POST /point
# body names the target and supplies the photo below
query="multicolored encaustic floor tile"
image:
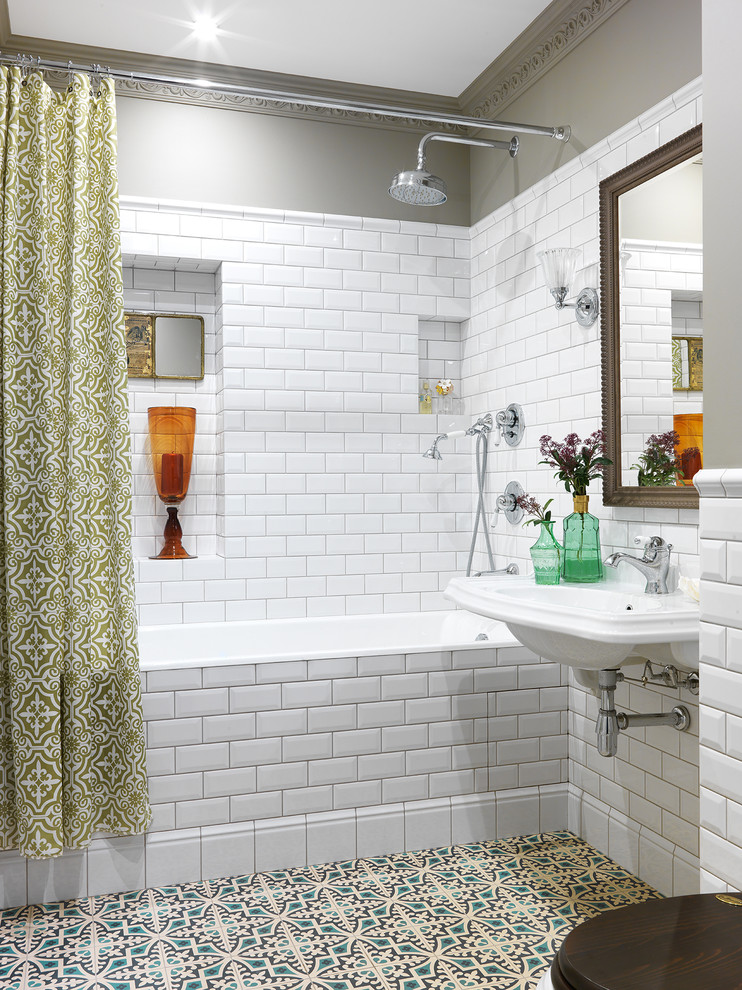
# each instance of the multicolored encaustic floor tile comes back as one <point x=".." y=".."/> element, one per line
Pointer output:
<point x="483" y="916"/>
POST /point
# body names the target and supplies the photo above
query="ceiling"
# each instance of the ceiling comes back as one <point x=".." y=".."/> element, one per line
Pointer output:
<point x="437" y="48"/>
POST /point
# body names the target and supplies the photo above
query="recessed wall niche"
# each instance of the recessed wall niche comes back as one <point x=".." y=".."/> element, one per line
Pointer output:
<point x="170" y="285"/>
<point x="439" y="353"/>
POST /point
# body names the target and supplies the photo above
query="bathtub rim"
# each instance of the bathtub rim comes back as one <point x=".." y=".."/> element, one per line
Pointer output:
<point x="497" y="631"/>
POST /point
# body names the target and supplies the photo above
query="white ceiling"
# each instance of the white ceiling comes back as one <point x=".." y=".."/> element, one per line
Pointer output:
<point x="439" y="46"/>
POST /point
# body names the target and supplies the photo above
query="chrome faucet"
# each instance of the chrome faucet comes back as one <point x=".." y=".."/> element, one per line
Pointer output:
<point x="510" y="569"/>
<point x="654" y="564"/>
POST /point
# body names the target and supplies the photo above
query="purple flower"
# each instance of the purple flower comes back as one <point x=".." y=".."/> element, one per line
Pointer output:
<point x="576" y="462"/>
<point x="538" y="513"/>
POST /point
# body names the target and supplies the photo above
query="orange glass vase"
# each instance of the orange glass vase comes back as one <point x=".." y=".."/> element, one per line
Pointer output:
<point x="171" y="433"/>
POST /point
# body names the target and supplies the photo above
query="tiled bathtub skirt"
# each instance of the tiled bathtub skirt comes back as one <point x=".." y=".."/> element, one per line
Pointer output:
<point x="185" y="855"/>
<point x="480" y="915"/>
<point x="269" y="765"/>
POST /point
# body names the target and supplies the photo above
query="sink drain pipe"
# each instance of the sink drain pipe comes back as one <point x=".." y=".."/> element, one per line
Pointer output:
<point x="610" y="722"/>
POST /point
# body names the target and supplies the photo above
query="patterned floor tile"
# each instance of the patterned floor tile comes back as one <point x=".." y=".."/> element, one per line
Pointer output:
<point x="483" y="916"/>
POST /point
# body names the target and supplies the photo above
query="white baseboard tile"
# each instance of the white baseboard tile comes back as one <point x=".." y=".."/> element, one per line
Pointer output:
<point x="472" y="818"/>
<point x="116" y="865"/>
<point x="594" y="821"/>
<point x="227" y="850"/>
<point x="280" y="843"/>
<point x="331" y="837"/>
<point x="427" y="824"/>
<point x="686" y="874"/>
<point x="517" y="812"/>
<point x="113" y="865"/>
<point x="171" y="857"/>
<point x="380" y="830"/>
<point x="553" y="807"/>
<point x="656" y="861"/>
<point x="13" y="879"/>
<point x="57" y="879"/>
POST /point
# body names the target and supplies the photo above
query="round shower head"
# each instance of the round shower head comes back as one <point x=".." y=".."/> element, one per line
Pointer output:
<point x="418" y="188"/>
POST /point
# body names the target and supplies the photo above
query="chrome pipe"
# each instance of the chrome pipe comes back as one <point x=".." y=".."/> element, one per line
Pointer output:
<point x="33" y="63"/>
<point x="511" y="146"/>
<point x="610" y="722"/>
<point x="678" y="718"/>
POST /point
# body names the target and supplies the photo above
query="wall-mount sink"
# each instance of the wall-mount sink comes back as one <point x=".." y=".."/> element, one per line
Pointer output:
<point x="591" y="626"/>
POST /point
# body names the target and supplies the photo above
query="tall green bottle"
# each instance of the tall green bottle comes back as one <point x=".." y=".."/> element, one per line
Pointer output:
<point x="583" y="562"/>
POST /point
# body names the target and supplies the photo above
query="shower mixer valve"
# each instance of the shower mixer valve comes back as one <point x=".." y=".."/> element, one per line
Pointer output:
<point x="507" y="503"/>
<point x="510" y="424"/>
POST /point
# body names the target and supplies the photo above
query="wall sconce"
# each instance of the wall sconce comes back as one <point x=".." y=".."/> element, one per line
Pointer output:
<point x="559" y="266"/>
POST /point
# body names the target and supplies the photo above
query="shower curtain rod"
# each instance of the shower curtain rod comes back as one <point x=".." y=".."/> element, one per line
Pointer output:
<point x="31" y="62"/>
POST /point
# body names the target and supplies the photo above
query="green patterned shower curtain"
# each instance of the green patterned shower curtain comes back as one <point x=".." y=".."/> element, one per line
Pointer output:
<point x="71" y="730"/>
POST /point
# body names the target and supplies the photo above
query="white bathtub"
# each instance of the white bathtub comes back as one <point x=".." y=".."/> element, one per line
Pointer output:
<point x="268" y="640"/>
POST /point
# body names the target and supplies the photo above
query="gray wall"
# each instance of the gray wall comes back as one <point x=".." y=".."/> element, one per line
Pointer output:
<point x="210" y="155"/>
<point x="643" y="52"/>
<point x="722" y="218"/>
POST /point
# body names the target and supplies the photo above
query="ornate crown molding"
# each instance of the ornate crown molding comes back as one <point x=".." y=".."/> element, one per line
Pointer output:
<point x="557" y="31"/>
<point x="187" y="69"/>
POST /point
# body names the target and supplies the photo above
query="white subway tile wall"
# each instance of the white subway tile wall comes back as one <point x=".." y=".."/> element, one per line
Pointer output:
<point x="721" y="680"/>
<point x="286" y="739"/>
<point x="309" y="495"/>
<point x="311" y="498"/>
<point x="642" y="806"/>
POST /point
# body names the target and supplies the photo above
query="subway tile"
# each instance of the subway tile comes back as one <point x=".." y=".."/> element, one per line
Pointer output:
<point x="249" y="807"/>
<point x="255" y="752"/>
<point x="225" y="728"/>
<point x="382" y="766"/>
<point x="357" y="795"/>
<point x="336" y="771"/>
<point x="357" y="742"/>
<point x="307" y="800"/>
<point x="282" y="776"/>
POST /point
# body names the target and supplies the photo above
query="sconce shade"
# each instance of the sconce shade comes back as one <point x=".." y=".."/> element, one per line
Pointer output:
<point x="559" y="266"/>
<point x="171" y="433"/>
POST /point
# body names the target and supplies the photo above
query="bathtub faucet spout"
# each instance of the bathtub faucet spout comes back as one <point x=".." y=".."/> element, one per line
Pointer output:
<point x="510" y="569"/>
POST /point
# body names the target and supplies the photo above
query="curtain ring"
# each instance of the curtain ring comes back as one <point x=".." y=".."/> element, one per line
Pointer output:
<point x="22" y="63"/>
<point x="69" y="75"/>
<point x="96" y="78"/>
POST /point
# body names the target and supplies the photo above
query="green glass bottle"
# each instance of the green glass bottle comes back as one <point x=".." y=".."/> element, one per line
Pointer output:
<point x="546" y="554"/>
<point x="583" y="562"/>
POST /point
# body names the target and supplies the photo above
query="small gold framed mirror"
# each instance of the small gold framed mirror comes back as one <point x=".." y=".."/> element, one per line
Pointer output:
<point x="165" y="345"/>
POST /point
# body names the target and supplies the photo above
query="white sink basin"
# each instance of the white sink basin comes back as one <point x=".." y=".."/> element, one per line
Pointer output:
<point x="591" y="626"/>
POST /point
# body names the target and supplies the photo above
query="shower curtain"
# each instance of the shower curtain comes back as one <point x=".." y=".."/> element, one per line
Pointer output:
<point x="71" y="730"/>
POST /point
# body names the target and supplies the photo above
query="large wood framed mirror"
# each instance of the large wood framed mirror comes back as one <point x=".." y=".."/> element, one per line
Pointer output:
<point x="651" y="263"/>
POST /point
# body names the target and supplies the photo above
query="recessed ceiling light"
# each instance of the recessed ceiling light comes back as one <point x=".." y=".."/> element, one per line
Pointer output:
<point x="205" y="28"/>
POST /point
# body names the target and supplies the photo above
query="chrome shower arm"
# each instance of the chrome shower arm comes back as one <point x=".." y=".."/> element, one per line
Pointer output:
<point x="511" y="145"/>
